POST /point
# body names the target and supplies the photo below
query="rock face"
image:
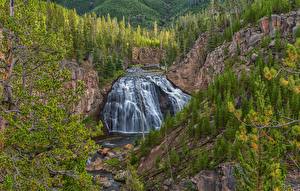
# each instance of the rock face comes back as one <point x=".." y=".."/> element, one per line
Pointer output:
<point x="185" y="73"/>
<point x="221" y="179"/>
<point x="147" y="56"/>
<point x="90" y="102"/>
<point x="95" y="165"/>
<point x="199" y="67"/>
<point x="2" y="123"/>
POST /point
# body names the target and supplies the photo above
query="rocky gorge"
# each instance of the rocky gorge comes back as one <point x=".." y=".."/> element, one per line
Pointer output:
<point x="200" y="66"/>
<point x="195" y="72"/>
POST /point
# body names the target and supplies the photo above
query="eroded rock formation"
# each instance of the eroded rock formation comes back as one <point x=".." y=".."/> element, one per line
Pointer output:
<point x="90" y="102"/>
<point x="147" y="56"/>
<point x="220" y="179"/>
<point x="199" y="67"/>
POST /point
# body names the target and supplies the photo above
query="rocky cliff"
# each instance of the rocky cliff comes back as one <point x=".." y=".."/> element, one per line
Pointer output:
<point x="195" y="72"/>
<point x="199" y="67"/>
<point x="147" y="56"/>
<point x="91" y="100"/>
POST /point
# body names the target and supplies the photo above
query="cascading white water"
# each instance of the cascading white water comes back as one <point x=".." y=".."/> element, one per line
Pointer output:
<point x="139" y="101"/>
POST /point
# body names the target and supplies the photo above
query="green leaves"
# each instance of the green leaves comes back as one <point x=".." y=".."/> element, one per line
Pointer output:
<point x="44" y="145"/>
<point x="269" y="73"/>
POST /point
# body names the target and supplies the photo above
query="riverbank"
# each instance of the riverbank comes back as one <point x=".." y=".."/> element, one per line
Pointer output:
<point x="108" y="165"/>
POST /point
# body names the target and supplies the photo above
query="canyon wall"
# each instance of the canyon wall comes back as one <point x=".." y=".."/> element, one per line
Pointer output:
<point x="199" y="67"/>
<point x="147" y="56"/>
<point x="93" y="96"/>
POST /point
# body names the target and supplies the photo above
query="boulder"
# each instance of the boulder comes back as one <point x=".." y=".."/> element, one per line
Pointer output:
<point x="264" y="25"/>
<point x="128" y="147"/>
<point x="102" y="180"/>
<point x="255" y="38"/>
<point x="121" y="176"/>
<point x="104" y="151"/>
<point x="95" y="165"/>
<point x="221" y="179"/>
<point x="111" y="154"/>
<point x="290" y="21"/>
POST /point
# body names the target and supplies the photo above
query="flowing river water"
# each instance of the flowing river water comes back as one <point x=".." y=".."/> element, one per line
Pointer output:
<point x="137" y="103"/>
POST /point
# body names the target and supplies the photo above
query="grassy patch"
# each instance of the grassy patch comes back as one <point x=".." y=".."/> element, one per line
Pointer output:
<point x="113" y="162"/>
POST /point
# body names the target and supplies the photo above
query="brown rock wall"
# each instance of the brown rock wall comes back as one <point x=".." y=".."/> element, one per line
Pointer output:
<point x="147" y="55"/>
<point x="199" y="67"/>
<point x="90" y="102"/>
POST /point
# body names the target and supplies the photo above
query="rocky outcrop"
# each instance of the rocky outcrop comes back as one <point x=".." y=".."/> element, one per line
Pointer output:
<point x="220" y="179"/>
<point x="90" y="102"/>
<point x="185" y="73"/>
<point x="199" y="67"/>
<point x="285" y="25"/>
<point x="147" y="56"/>
<point x="2" y="124"/>
<point x="195" y="72"/>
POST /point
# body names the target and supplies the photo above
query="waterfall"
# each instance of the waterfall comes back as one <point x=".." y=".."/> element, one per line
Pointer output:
<point x="139" y="101"/>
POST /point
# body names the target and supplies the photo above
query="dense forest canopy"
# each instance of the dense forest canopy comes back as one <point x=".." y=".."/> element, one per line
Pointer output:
<point x="137" y="12"/>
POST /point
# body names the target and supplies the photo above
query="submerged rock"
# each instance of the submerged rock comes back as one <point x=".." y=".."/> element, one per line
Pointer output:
<point x="95" y="165"/>
<point x="104" y="151"/>
<point x="121" y="176"/>
<point x="128" y="147"/>
<point x="102" y="180"/>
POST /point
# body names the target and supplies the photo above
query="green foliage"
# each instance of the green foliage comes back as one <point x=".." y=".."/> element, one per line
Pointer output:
<point x="133" y="159"/>
<point x="258" y="128"/>
<point x="44" y="145"/>
<point x="201" y="162"/>
<point x="95" y="127"/>
<point x="104" y="40"/>
<point x="137" y="12"/>
<point x="152" y="139"/>
<point x="174" y="158"/>
<point x="262" y="139"/>
<point x="113" y="162"/>
<point x="133" y="181"/>
<point x="261" y="8"/>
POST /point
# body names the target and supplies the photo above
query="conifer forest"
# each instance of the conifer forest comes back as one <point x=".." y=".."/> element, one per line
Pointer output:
<point x="150" y="95"/>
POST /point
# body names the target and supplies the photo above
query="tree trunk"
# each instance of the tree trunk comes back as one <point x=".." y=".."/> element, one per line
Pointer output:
<point x="9" y="61"/>
<point x="12" y="8"/>
<point x="259" y="185"/>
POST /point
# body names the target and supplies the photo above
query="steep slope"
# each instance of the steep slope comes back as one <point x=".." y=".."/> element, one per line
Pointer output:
<point x="133" y="10"/>
<point x="200" y="66"/>
<point x="142" y="12"/>
<point x="82" y="6"/>
<point x="201" y="147"/>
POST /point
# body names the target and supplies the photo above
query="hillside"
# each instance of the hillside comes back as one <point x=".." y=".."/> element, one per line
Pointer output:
<point x="205" y="101"/>
<point x="199" y="148"/>
<point x="138" y="12"/>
